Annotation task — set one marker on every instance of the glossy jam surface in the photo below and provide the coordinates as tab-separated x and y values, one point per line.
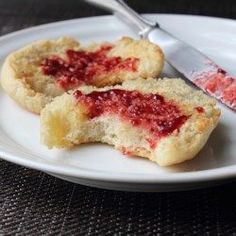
149	111
220	85
80	67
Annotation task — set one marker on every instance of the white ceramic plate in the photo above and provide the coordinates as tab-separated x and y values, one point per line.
101	165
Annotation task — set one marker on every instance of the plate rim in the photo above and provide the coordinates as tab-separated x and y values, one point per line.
220	173
186	177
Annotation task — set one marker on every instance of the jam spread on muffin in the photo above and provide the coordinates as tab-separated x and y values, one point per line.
80	67
150	111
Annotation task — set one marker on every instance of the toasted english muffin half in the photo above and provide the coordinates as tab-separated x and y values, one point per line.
164	120
37	73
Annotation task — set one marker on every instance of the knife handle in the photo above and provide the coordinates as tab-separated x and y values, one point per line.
126	14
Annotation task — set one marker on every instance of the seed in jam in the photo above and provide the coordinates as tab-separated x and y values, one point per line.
149	111
80	67
200	109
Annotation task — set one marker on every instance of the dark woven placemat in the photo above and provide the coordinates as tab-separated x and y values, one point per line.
33	203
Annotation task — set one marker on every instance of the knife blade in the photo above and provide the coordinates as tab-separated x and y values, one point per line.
193	64
196	67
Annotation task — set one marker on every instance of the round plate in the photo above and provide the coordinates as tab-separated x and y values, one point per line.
101	165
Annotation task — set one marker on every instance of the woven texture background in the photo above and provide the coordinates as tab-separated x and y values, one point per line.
33	203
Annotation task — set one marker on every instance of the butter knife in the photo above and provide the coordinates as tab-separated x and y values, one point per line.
193	64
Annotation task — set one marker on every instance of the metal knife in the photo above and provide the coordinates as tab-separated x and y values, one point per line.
194	65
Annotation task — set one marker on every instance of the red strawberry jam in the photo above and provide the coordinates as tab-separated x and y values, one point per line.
149	111
220	85
80	67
